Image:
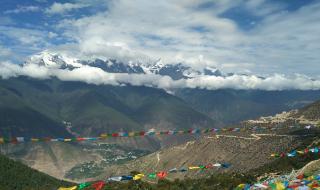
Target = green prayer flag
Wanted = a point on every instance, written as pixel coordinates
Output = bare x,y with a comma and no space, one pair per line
273,186
136,133
84,185
152,176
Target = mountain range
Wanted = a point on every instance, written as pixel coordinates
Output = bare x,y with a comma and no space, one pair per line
50,107
224,106
175,71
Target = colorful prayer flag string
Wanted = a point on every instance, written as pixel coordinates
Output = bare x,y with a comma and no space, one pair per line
294,153
17,140
301,182
98,185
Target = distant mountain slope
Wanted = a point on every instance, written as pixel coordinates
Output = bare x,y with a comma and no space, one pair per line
94,109
16,176
230,106
18,118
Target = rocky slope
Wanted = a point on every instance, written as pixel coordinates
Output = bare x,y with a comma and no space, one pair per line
246,151
309,114
243,152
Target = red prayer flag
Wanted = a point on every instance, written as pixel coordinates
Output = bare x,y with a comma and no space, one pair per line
293,186
115,134
142,133
315,184
47,139
162,175
14,140
98,185
209,166
301,176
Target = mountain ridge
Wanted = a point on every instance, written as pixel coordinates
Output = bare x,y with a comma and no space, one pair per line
175,71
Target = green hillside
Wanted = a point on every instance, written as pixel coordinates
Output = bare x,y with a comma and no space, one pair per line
19,118
16,176
91,109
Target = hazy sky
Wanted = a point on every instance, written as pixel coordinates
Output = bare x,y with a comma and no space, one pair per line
254,36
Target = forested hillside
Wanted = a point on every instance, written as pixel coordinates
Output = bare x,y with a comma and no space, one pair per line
17,176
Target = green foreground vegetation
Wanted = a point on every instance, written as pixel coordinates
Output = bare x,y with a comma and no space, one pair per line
17,176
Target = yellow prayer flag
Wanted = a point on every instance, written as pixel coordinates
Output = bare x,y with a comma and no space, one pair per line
241,186
131,134
194,167
1,140
34,139
280,186
300,152
138,176
68,188
67,140
310,178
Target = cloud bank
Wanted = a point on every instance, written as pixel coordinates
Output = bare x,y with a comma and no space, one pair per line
274,39
239,36
94,75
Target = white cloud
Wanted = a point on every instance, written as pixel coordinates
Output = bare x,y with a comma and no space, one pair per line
52,34
24,38
23,9
184,31
281,42
93,75
60,8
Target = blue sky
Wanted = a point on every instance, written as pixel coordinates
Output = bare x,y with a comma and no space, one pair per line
254,36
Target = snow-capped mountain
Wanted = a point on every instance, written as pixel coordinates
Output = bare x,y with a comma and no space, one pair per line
175,71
